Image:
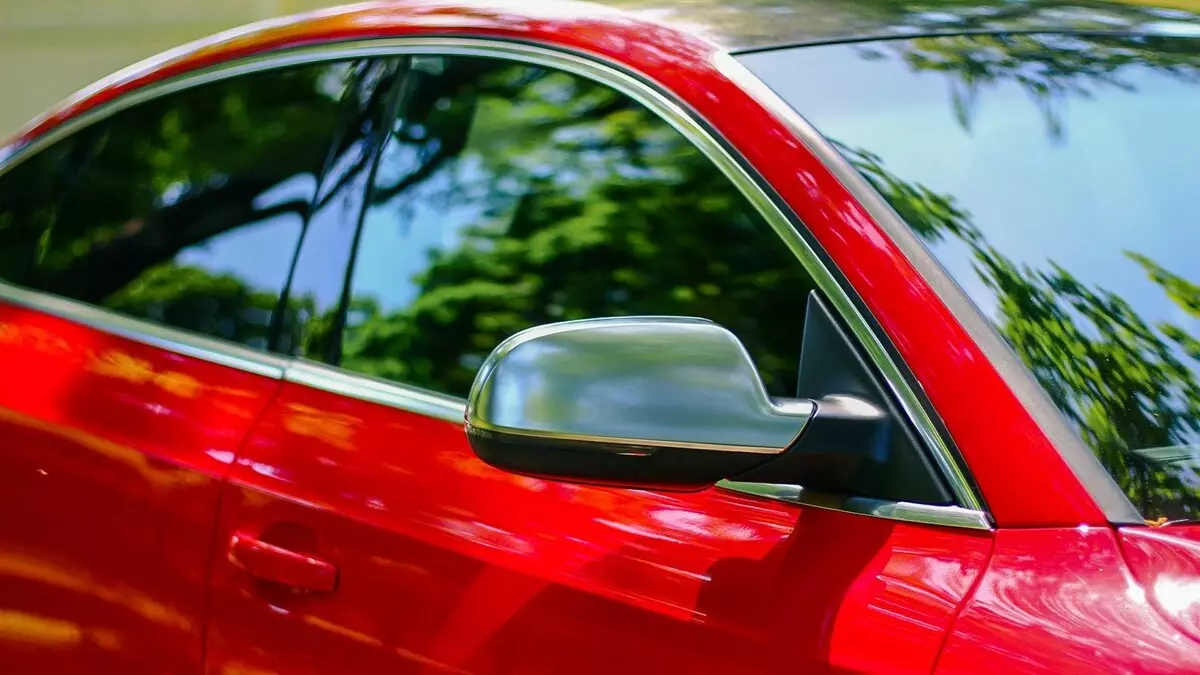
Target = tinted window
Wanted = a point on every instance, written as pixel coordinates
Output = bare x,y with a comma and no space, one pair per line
1055,179
184,210
509,196
311,321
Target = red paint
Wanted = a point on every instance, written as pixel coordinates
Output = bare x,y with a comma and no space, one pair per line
279,565
448,564
1063,601
1166,562
999,440
112,455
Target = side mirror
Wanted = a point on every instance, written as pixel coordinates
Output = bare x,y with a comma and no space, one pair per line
658,402
676,403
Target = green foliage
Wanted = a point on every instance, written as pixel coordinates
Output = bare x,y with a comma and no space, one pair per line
99,216
1051,68
220,305
593,207
1116,378
1125,386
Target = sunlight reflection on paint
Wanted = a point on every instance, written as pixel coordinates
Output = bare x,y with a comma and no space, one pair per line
1177,595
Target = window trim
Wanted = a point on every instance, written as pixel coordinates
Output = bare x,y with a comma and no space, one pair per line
971,514
179,341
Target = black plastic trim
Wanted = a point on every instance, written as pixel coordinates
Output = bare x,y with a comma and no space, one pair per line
642,467
858,442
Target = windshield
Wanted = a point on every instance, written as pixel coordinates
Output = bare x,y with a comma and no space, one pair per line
1056,179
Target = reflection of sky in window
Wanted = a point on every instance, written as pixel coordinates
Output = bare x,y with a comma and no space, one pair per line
298,188
332,82
258,254
505,157
400,235
1120,178
349,160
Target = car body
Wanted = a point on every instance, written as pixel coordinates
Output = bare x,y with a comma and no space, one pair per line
273,491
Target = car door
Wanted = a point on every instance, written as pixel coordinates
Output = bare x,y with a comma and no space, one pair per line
359,532
143,258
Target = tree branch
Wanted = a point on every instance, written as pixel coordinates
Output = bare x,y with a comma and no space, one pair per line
111,266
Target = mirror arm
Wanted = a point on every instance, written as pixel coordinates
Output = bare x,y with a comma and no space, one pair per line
857,443
845,435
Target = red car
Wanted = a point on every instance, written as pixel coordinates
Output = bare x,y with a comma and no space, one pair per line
789,337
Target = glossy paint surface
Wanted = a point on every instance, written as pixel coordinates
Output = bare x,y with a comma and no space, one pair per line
1063,601
1166,562
112,455
448,565
996,435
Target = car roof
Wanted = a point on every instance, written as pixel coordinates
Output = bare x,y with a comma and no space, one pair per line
751,24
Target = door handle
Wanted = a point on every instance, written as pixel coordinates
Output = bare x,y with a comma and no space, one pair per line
279,565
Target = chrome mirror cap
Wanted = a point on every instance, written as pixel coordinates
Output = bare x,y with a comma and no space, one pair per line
630,387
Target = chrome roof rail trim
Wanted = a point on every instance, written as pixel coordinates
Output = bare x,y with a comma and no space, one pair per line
171,339
925,514
436,405
1108,495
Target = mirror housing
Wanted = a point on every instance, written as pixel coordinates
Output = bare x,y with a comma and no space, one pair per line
652,402
676,403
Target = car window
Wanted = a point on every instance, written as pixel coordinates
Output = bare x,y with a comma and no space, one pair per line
185,210
310,321
510,195
1054,178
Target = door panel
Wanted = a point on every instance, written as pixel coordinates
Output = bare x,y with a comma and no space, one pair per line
447,565
111,460
184,209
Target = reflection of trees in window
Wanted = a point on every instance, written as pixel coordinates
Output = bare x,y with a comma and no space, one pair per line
1122,382
130,214
194,299
771,22
1126,386
574,202
1050,68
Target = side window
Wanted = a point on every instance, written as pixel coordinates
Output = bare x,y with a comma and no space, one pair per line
184,210
510,195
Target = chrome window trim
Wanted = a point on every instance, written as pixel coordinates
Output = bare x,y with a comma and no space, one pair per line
163,337
925,514
1113,501
374,390
452,409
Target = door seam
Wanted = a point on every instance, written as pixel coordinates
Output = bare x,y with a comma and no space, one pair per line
969,596
213,543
